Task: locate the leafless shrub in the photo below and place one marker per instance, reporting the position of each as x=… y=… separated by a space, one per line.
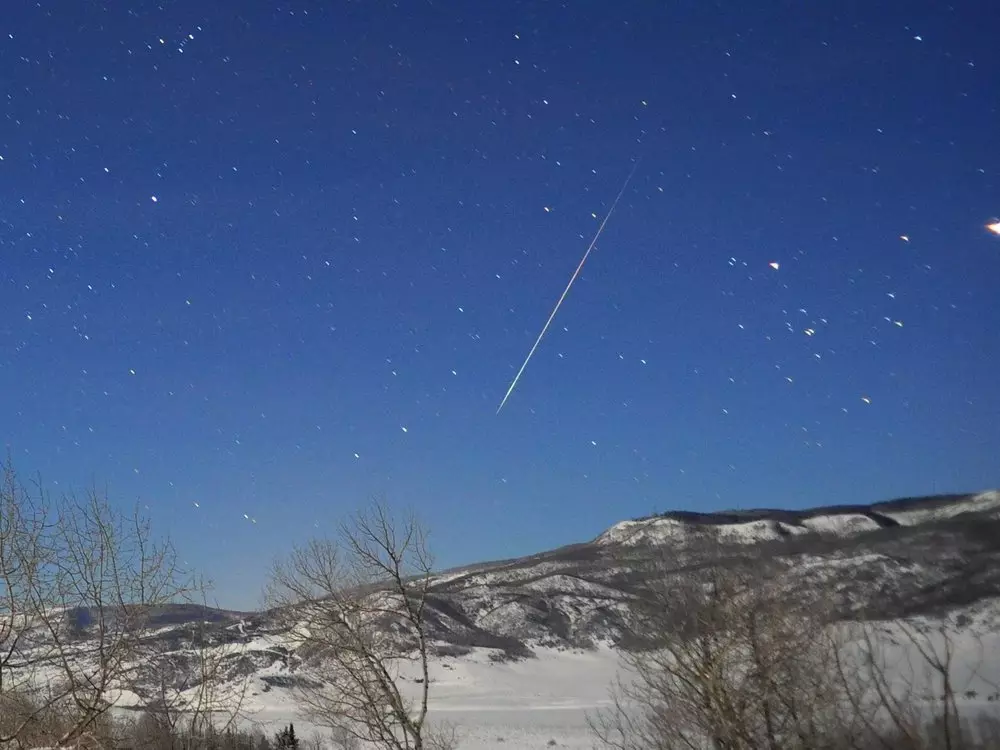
x=721 y=658
x=908 y=671
x=355 y=609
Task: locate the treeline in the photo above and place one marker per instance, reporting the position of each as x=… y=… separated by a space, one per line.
x=146 y=731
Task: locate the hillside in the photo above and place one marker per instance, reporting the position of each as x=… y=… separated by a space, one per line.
x=927 y=556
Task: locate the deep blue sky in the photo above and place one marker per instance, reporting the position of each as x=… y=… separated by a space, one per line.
x=277 y=258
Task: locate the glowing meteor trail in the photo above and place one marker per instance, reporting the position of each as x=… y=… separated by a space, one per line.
x=570 y=284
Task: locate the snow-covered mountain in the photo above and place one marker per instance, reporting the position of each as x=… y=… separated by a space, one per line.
x=751 y=526
x=912 y=556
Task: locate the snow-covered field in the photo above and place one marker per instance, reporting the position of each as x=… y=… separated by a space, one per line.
x=523 y=704
x=544 y=702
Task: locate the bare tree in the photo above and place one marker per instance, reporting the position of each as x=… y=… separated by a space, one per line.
x=909 y=671
x=720 y=657
x=356 y=611
x=199 y=686
x=22 y=554
x=79 y=582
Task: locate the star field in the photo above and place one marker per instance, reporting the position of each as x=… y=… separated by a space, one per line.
x=262 y=262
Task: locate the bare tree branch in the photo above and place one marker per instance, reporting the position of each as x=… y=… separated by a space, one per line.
x=721 y=658
x=355 y=608
x=79 y=582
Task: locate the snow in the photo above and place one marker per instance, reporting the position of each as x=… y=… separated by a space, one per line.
x=522 y=704
x=528 y=704
x=655 y=531
x=669 y=530
x=572 y=585
x=838 y=564
x=512 y=574
x=663 y=530
x=533 y=702
x=840 y=525
x=749 y=533
x=981 y=503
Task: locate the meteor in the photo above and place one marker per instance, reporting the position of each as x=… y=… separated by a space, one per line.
x=568 y=286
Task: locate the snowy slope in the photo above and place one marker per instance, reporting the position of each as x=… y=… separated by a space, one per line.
x=536 y=702
x=526 y=643
x=730 y=527
x=983 y=503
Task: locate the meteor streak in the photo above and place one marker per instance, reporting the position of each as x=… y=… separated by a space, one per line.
x=570 y=284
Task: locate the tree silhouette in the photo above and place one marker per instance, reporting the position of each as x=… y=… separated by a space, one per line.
x=286 y=738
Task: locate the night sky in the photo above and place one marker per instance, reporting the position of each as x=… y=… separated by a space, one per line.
x=261 y=262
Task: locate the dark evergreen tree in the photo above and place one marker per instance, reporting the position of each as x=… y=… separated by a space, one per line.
x=286 y=739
